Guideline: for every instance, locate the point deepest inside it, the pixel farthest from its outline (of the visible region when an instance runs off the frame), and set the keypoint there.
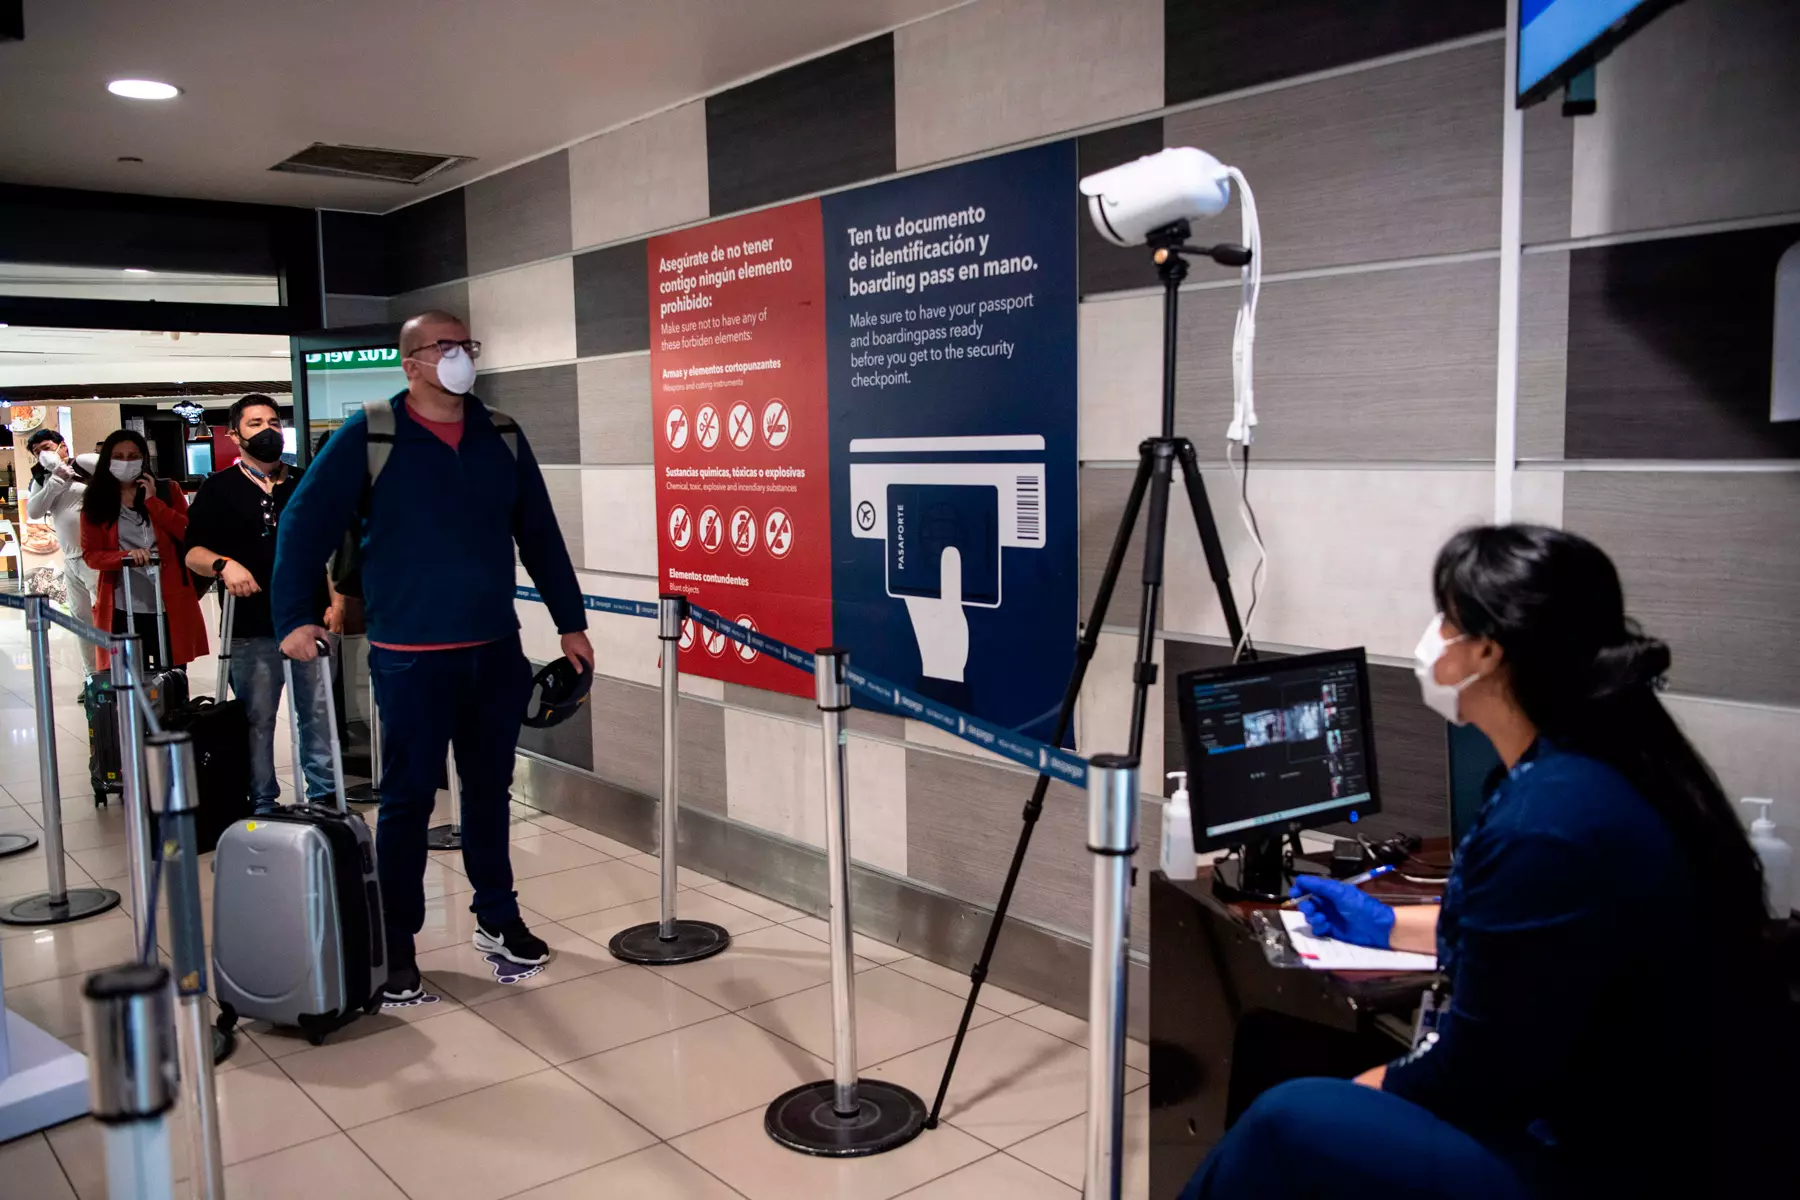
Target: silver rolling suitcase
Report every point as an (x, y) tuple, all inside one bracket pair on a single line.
[(298, 937)]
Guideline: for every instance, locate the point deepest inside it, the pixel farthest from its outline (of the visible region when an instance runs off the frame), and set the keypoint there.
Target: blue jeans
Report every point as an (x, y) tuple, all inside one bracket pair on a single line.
[(430, 700), (256, 678), (1330, 1139)]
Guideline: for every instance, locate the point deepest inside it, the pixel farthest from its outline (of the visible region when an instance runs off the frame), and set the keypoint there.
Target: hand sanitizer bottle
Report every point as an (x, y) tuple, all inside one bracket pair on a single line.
[(1777, 862), (1178, 860)]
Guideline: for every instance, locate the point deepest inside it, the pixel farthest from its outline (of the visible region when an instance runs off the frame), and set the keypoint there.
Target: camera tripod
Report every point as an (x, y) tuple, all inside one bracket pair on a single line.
[(1157, 457)]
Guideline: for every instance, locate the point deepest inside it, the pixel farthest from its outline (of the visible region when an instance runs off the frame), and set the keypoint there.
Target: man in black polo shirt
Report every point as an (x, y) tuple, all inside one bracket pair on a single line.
[(231, 536)]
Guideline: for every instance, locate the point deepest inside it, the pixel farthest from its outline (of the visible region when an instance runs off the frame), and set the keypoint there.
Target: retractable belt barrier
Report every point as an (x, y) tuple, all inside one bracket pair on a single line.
[(1008, 743)]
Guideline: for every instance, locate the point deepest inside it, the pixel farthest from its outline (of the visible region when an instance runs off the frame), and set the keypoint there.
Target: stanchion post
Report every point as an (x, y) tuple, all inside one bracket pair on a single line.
[(449, 837), (132, 1076), (670, 940), (125, 675), (57, 904), (1112, 840), (174, 791), (841, 1117)]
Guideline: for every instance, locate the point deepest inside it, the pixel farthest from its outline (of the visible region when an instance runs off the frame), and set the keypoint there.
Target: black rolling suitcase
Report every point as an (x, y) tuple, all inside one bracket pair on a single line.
[(102, 708), (220, 729)]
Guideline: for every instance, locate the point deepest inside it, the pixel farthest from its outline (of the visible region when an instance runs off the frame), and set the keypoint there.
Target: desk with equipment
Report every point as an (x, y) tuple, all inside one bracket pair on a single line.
[(1272, 746)]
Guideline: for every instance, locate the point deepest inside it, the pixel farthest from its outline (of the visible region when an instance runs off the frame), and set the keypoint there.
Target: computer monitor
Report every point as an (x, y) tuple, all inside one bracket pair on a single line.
[(1274, 746)]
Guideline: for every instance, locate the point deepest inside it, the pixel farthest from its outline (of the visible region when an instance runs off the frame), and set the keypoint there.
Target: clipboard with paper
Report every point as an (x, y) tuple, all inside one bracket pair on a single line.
[(1287, 941)]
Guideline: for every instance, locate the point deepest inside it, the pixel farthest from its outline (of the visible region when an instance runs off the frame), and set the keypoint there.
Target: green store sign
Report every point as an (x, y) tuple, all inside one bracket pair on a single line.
[(352, 360)]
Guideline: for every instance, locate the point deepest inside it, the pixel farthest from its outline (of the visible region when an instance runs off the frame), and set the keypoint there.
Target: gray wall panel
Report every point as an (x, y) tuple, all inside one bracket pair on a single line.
[(819, 124), (428, 242), (1382, 365), (615, 410), (1670, 345), (565, 501), (1549, 166), (612, 300), (962, 821), (1543, 354), (1410, 756), (627, 725), (1394, 162), (450, 297), (1214, 46), (1102, 266), (1711, 566), (519, 215), (542, 401), (1103, 493)]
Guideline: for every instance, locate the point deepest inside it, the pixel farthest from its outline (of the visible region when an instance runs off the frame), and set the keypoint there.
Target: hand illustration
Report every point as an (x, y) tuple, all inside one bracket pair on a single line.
[(940, 625)]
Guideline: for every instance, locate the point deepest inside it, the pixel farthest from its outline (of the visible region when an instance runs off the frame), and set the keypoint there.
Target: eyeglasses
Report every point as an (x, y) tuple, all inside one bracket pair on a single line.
[(469, 346)]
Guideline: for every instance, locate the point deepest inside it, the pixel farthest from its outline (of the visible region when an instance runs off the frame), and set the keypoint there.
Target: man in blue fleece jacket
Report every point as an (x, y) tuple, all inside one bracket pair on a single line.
[(438, 528)]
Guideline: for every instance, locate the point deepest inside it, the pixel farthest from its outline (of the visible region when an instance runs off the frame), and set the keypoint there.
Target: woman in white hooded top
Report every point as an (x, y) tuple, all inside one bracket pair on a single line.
[(57, 486)]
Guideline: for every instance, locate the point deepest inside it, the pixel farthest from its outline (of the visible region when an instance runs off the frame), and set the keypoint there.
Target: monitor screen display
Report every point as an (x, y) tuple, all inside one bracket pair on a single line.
[(1278, 743), (1560, 38)]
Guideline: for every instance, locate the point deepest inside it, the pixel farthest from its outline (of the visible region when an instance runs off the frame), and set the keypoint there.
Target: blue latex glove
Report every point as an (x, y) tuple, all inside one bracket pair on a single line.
[(1334, 909)]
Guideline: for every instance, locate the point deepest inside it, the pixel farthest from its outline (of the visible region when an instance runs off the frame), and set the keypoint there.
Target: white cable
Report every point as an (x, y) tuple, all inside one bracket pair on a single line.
[(1242, 429)]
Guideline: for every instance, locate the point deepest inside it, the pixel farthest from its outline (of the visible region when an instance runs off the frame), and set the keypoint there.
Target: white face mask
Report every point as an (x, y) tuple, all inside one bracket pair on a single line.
[(49, 459), (1441, 698), (126, 470), (456, 372)]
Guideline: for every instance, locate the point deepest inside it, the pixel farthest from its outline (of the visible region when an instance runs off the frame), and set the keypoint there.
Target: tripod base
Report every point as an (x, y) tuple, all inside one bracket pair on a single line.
[(444, 837), (15, 843), (693, 941), (805, 1118), (80, 903)]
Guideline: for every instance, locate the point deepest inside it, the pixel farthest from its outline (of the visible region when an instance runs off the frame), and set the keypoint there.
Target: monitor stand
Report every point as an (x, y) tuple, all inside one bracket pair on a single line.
[(1260, 872)]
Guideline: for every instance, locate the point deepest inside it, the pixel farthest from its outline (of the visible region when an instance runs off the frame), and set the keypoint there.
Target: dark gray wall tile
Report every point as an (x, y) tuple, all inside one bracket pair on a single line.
[(1711, 566), (571, 742), (962, 821), (1377, 365), (820, 124), (627, 724), (520, 215), (450, 297), (1213, 46), (1388, 163), (428, 242), (1102, 266), (612, 301), (1548, 173), (356, 253), (615, 410), (1411, 761), (1543, 354), (1670, 345), (542, 401), (342, 311)]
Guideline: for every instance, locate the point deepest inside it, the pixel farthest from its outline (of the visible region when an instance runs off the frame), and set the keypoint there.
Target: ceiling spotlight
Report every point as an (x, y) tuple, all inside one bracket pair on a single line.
[(143, 89), (137, 270)]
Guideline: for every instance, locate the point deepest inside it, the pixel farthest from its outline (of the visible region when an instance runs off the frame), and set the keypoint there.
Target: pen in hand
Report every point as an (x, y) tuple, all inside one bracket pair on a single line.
[(1353, 881)]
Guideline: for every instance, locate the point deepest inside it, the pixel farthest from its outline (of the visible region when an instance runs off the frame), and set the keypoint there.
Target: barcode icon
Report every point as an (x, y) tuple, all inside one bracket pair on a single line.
[(1030, 505)]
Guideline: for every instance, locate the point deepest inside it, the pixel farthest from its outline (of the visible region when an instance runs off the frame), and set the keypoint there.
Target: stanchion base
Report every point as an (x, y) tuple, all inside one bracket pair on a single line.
[(444, 837), (37, 910), (363, 793), (693, 941), (15, 843), (804, 1119)]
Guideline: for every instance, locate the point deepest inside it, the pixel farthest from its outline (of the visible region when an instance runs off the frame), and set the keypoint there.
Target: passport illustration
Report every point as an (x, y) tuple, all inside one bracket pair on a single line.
[(947, 508)]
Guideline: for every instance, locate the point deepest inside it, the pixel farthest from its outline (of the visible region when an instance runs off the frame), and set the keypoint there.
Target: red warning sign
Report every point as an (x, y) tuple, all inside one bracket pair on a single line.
[(712, 529), (707, 423), (775, 424), (743, 531), (681, 529), (739, 400), (778, 532)]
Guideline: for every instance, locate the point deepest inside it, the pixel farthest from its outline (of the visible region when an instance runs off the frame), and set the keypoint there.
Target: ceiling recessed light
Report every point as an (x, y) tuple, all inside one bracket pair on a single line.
[(137, 270), (143, 89)]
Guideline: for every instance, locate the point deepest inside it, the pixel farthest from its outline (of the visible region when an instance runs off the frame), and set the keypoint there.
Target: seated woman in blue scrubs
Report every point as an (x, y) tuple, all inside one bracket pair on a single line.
[(1601, 937)]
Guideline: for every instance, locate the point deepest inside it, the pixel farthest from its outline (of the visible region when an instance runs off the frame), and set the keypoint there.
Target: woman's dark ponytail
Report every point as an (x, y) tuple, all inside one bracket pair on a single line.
[(1588, 678)]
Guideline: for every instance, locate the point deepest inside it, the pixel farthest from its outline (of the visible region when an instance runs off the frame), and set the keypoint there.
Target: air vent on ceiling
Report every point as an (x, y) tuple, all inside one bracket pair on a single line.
[(369, 162)]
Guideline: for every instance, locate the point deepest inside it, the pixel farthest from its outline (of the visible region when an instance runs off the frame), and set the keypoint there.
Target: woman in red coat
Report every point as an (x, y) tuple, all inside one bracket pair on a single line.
[(125, 514)]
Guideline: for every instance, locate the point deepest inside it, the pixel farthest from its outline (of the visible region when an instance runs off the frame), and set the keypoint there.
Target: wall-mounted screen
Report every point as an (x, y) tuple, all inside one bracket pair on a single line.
[(1561, 38)]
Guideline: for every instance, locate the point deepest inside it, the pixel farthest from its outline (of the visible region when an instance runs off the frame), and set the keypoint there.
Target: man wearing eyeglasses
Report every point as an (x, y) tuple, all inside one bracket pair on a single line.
[(231, 537), (453, 494)]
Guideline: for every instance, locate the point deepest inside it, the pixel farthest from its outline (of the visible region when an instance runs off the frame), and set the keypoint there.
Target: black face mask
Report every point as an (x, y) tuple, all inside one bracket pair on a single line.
[(265, 446)]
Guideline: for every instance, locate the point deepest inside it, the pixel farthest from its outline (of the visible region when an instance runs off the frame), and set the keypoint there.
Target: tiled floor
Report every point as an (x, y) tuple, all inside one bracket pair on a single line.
[(593, 1078)]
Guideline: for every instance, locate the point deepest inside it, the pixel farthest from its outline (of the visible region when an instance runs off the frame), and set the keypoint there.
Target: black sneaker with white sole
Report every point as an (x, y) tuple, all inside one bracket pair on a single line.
[(511, 941), (404, 984)]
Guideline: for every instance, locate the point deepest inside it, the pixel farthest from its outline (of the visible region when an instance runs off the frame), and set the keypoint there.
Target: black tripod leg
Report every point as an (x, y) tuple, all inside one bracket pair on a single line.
[(1155, 535), (1084, 654), (1214, 549)]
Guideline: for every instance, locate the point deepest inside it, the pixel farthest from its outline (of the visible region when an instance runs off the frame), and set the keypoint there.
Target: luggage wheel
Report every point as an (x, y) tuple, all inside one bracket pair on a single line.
[(227, 1022)]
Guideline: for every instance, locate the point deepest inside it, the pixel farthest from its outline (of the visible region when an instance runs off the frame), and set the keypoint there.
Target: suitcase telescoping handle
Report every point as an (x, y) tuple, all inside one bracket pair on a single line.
[(162, 625), (227, 610), (337, 749)]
